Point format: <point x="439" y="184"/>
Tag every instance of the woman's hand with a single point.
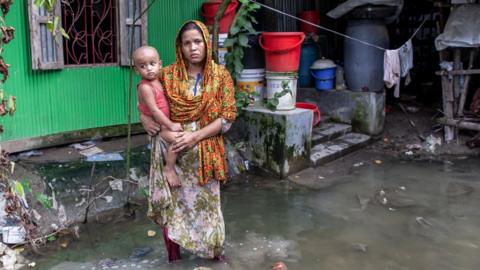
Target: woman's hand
<point x="184" y="141"/>
<point x="149" y="125"/>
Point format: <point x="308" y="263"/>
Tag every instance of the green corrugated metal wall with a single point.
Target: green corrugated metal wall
<point x="50" y="102"/>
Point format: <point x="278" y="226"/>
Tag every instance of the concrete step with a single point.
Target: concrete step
<point x="327" y="131"/>
<point x="336" y="148"/>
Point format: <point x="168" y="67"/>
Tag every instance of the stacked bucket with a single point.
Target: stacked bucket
<point x="282" y="57"/>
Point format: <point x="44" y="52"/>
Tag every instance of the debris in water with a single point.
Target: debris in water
<point x="377" y="161"/>
<point x="151" y="233"/>
<point x="360" y="247"/>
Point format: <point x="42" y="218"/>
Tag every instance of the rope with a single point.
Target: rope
<point x="330" y="30"/>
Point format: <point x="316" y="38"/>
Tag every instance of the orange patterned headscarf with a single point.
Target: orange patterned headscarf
<point x="216" y="100"/>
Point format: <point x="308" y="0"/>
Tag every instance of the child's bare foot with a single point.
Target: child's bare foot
<point x="172" y="177"/>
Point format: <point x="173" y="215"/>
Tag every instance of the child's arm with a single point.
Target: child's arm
<point x="148" y="98"/>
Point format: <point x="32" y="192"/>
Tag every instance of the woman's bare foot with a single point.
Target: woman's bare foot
<point x="279" y="266"/>
<point x="172" y="177"/>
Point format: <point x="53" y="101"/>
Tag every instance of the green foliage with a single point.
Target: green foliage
<point x="272" y="103"/>
<point x="52" y="23"/>
<point x="51" y="238"/>
<point x="236" y="43"/>
<point x="44" y="200"/>
<point x="238" y="36"/>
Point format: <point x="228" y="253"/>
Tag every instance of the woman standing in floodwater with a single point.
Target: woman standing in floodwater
<point x="201" y="97"/>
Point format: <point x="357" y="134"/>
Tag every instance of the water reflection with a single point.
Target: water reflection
<point x="397" y="215"/>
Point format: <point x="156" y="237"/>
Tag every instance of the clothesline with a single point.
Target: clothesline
<point x="333" y="31"/>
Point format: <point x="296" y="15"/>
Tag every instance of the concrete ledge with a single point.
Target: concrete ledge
<point x="68" y="137"/>
<point x="365" y="111"/>
<point x="280" y="141"/>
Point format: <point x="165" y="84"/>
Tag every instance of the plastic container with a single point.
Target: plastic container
<point x="252" y="81"/>
<point x="324" y="70"/>
<point x="253" y="56"/>
<point x="308" y="55"/>
<point x="312" y="16"/>
<point x="313" y="108"/>
<point x="209" y="9"/>
<point x="282" y="50"/>
<point x="274" y="85"/>
<point x="13" y="235"/>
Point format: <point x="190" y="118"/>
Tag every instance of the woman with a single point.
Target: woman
<point x="201" y="97"/>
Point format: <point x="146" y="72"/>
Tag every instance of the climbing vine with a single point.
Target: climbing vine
<point x="236" y="43"/>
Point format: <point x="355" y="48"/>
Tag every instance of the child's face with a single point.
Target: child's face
<point x="148" y="64"/>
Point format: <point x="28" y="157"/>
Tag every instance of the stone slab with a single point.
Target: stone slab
<point x="365" y="111"/>
<point x="280" y="141"/>
<point x="331" y="150"/>
<point x="328" y="131"/>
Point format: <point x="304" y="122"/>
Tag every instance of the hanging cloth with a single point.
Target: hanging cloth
<point x="391" y="70"/>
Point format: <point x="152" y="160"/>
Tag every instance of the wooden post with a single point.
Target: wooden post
<point x="447" y="96"/>
<point x="218" y="16"/>
<point x="457" y="65"/>
<point x="464" y="89"/>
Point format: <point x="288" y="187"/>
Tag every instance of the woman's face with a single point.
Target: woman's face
<point x="193" y="46"/>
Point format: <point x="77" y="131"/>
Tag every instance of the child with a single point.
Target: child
<point x="153" y="102"/>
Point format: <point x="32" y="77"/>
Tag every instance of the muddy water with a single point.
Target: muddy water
<point x="397" y="215"/>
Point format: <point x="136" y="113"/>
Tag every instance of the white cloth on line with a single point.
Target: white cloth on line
<point x="406" y="60"/>
<point x="391" y="70"/>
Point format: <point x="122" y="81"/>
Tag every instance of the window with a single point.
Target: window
<point x="99" y="32"/>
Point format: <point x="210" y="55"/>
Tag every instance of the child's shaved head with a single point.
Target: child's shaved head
<point x="145" y="51"/>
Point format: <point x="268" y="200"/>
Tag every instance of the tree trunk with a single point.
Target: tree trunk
<point x="220" y="12"/>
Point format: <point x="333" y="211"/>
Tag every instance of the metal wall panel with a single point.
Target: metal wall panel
<point x="76" y="98"/>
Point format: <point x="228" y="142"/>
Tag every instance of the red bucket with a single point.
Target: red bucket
<point x="209" y="9"/>
<point x="312" y="16"/>
<point x="312" y="107"/>
<point x="282" y="50"/>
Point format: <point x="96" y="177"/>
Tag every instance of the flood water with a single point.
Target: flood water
<point x="396" y="215"/>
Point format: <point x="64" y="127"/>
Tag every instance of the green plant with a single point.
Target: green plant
<point x="272" y="102"/>
<point x="238" y="36"/>
<point x="52" y="22"/>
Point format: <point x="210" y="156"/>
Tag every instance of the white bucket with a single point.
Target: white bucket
<point x="274" y="85"/>
<point x="252" y="81"/>
<point x="13" y="235"/>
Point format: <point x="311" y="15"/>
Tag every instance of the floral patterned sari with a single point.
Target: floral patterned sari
<point x="192" y="212"/>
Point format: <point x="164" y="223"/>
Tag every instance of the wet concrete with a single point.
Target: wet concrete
<point x="390" y="215"/>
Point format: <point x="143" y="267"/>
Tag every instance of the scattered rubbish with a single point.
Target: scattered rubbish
<point x="64" y="244"/>
<point x="391" y="209"/>
<point x="414" y="146"/>
<point x="384" y="201"/>
<point x="32" y="153"/>
<point x="202" y="268"/>
<point x="139" y="253"/>
<point x="21" y="194"/>
<point x="377" y="161"/>
<point x="32" y="264"/>
<point x="83" y="145"/>
<point x="116" y="184"/>
<point x="36" y="215"/>
<point x="279" y="266"/>
<point x="108" y="198"/>
<point x="360" y="247"/>
<point x="62" y="215"/>
<point x="91" y="151"/>
<point x="151" y="233"/>
<point x="247" y="165"/>
<point x="100" y="157"/>
<point x="321" y="177"/>
<point x="422" y="221"/>
<point x="412" y="109"/>
<point x="432" y="142"/>
<point x="409" y="153"/>
<point x="402" y="188"/>
<point x="13" y="234"/>
<point x="363" y="201"/>
<point x="358" y="164"/>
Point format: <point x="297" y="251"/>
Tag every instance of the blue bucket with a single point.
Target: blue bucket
<point x="324" y="78"/>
